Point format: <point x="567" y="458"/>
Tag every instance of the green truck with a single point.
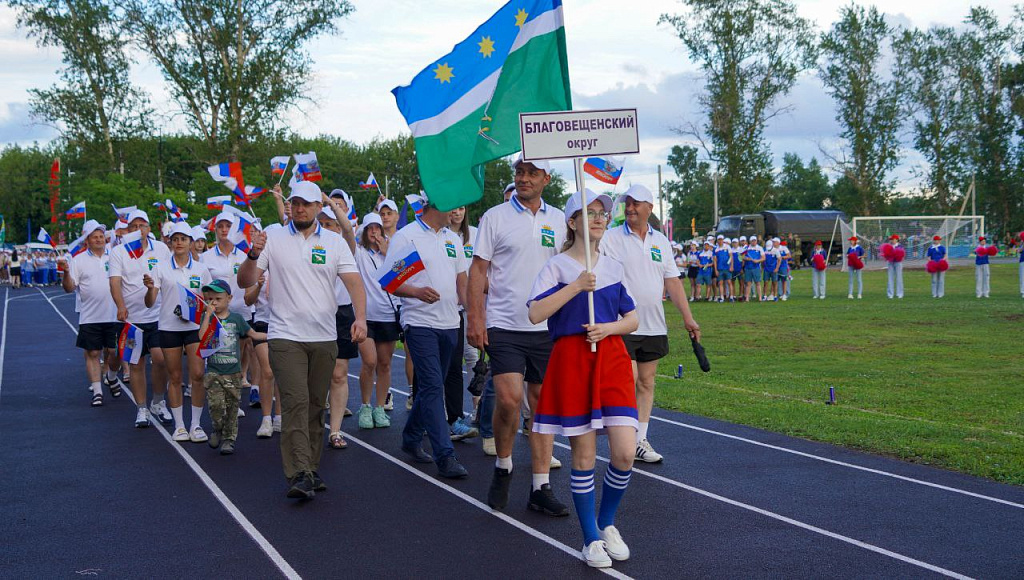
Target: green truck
<point x="808" y="225"/>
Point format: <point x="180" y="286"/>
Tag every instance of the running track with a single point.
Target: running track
<point x="83" y="493"/>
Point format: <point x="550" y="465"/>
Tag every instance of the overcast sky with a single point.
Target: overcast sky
<point x="618" y="57"/>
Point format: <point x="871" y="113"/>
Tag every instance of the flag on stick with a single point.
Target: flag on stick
<point x="210" y="341"/>
<point x="279" y="164"/>
<point x="129" y="344"/>
<point x="307" y="166"/>
<point x="190" y="307"/>
<point x="77" y="211"/>
<point x="132" y="243"/>
<point x="45" y="238"/>
<point x="122" y="212"/>
<point x="217" y="202"/>
<point x="370" y="183"/>
<point x="607" y="170"/>
<point x="400" y="270"/>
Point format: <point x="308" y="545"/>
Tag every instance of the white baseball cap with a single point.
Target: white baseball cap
<point x="743" y="238"/>
<point x="638" y="193"/>
<point x="734" y="241"/>
<point x="372" y="218"/>
<point x="720" y="237"/>
<point x="753" y="237"/>
<point x="179" y="228"/>
<point x="388" y="203"/>
<point x="327" y="211"/>
<point x="137" y="214"/>
<point x="541" y="164"/>
<point x="165" y="230"/>
<point x="224" y="216"/>
<point x="307" y="191"/>
<point x="575" y="202"/>
<point x="776" y="240"/>
<point x="121" y="225"/>
<point x="198" y="233"/>
<point x="91" y="226"/>
<point x="508" y="188"/>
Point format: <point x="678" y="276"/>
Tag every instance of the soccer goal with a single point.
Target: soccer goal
<point x="959" y="234"/>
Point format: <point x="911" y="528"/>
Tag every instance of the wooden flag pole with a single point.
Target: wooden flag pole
<point x="280" y="179"/>
<point x="580" y="185"/>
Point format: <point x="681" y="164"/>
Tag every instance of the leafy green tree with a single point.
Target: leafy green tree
<point x="691" y="196"/>
<point x="801" y="186"/>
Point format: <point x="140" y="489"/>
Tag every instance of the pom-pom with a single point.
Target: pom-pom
<point x="886" y="251"/>
<point x="1022" y="236"/>
<point x="993" y="250"/>
<point x="932" y="266"/>
<point x="854" y="261"/>
<point x="943" y="265"/>
<point x="898" y="254"/>
<point x="819" y="261"/>
<point x="981" y="251"/>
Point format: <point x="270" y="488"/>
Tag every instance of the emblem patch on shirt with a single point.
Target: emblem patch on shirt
<point x="319" y="255"/>
<point x="547" y="237"/>
<point x="655" y="253"/>
<point x="193" y="282"/>
<point x="236" y="269"/>
<point x="152" y="263"/>
<point x="468" y="248"/>
<point x="449" y="249"/>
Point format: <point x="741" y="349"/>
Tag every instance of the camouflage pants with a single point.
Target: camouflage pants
<point x="222" y="393"/>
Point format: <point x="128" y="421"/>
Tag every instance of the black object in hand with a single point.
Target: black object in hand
<point x="698" y="351"/>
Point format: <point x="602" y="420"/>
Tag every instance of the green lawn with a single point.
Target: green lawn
<point x="938" y="382"/>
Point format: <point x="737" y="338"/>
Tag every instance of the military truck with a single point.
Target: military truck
<point x="808" y="225"/>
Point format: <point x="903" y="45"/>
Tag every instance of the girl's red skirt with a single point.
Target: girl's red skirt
<point x="585" y="391"/>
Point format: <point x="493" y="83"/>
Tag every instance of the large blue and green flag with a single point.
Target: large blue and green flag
<point x="463" y="109"/>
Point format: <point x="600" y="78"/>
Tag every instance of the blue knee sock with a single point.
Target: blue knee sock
<point x="583" y="499"/>
<point x="615" y="484"/>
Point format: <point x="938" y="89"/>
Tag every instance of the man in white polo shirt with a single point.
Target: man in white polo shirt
<point x="97" y="315"/>
<point x="303" y="260"/>
<point x="129" y="293"/>
<point x="514" y="241"/>
<point x="430" y="318"/>
<point x="649" y="273"/>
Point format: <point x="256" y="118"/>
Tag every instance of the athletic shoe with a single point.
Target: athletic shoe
<point x="277" y="424"/>
<point x="380" y="418"/>
<point x="301" y="486"/>
<point x="142" y="418"/>
<point x="389" y="402"/>
<point x="187" y="391"/>
<point x="228" y="447"/>
<point x="198" y="435"/>
<point x="348" y="413"/>
<point x="850" y="297"/>
<point x="613" y="544"/>
<point x="497" y="494"/>
<point x="450" y="468"/>
<point x="596" y="556"/>
<point x="488" y="446"/>
<point x="543" y="500"/>
<point x="214" y="439"/>
<point x="180" y="434"/>
<point x="408" y="403"/>
<point x="784" y="298"/>
<point x="366" y="417"/>
<point x="266" y="429"/>
<point x="418" y="454"/>
<point x="646" y="453"/>
<point x="318" y="483"/>
<point x="554" y="463"/>
<point x="241" y="413"/>
<point x="254" y="397"/>
<point x="859" y="297"/>
<point x="460" y="430"/>
<point x="159" y="410"/>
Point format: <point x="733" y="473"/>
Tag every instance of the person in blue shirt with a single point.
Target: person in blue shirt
<point x="752" y="261"/>
<point x="723" y="268"/>
<point x="771" y="269"/>
<point x="937" y="253"/>
<point x="705" y="260"/>
<point x="853" y="270"/>
<point x="981" y="273"/>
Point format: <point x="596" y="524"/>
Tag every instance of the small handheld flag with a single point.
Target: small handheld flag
<point x="279" y="164"/>
<point x="370" y="183"/>
<point x="45" y="238"/>
<point x="307" y="166"/>
<point x="210" y="341"/>
<point x="123" y="212"/>
<point x="217" y="202"/>
<point x="133" y="244"/>
<point x="190" y="307"/>
<point x="77" y="211"/>
<point x="401" y="270"/>
<point x="77" y="247"/>
<point x="607" y="170"/>
<point x="129" y="344"/>
<point x="417" y="203"/>
<point x="174" y="211"/>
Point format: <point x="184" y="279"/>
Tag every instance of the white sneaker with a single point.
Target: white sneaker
<point x="266" y="429"/>
<point x="159" y="410"/>
<point x="555" y="463"/>
<point x="277" y="424"/>
<point x="187" y="391"/>
<point x="595" y="555"/>
<point x="241" y="413"/>
<point x="198" y="435"/>
<point x="488" y="446"/>
<point x="646" y="453"/>
<point x="389" y="402"/>
<point x="613" y="544"/>
<point x="180" y="434"/>
<point x="784" y="297"/>
<point x="850" y="297"/>
<point x="142" y="418"/>
<point x="859" y="297"/>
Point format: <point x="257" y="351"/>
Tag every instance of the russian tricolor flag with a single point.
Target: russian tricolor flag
<point x="190" y="306"/>
<point x="174" y="211"/>
<point x="209" y="341"/>
<point x="133" y="244"/>
<point x="370" y="183"/>
<point x="45" y="238"/>
<point x="307" y="166"/>
<point x="607" y="170"/>
<point x="122" y="212"/>
<point x="279" y="164"/>
<point x="401" y="270"/>
<point x="129" y="344"/>
<point x="217" y="202"/>
<point x="225" y="171"/>
<point x="77" y="211"/>
<point x="78" y="246"/>
<point x="241" y="233"/>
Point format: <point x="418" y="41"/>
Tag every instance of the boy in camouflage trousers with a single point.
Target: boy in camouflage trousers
<point x="224" y="367"/>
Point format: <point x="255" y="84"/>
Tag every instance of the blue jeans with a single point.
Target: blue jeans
<point x="487" y="409"/>
<point x="431" y="351"/>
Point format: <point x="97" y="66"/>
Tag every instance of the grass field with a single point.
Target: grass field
<point x="937" y="382"/>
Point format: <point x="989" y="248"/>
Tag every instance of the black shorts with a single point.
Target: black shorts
<point x="259" y="326"/>
<point x="343" y="319"/>
<point x="525" y="353"/>
<point x="98" y="335"/>
<point x="646" y="348"/>
<point x="383" y="331"/>
<point x="691" y="273"/>
<point x="178" y="338"/>
<point x="150" y="336"/>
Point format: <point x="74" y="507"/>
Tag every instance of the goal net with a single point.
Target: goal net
<point x="959" y="234"/>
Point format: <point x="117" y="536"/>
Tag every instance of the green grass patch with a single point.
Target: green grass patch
<point x="938" y="382"/>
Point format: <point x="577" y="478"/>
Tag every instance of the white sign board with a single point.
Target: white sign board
<point x="572" y="134"/>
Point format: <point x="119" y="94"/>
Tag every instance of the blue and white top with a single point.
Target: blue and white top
<point x="979" y="258"/>
<point x="705" y="258"/>
<point x="754" y="253"/>
<point x="784" y="260"/>
<point x="937" y="253"/>
<point x="723" y="257"/>
<point x="856" y="249"/>
<point x="611" y="299"/>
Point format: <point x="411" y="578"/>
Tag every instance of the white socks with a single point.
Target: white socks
<point x="96" y="388"/>
<point x="197" y="414"/>
<point x="111" y="376"/>
<point x="641" y="434"/>
<point x="504" y="463"/>
<point x="179" y="418"/>
<point x="540" y="479"/>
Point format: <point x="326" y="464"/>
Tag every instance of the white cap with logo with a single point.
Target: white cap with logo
<point x="307" y="191"/>
<point x="91" y="226"/>
<point x="541" y="164"/>
<point x="638" y="193"/>
<point x="180" y="228"/>
<point x="575" y="202"/>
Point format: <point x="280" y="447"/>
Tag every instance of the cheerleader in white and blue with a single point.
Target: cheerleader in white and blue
<point x="587" y="392"/>
<point x="981" y="273"/>
<point x="819" y="270"/>
<point x="937" y="266"/>
<point x="855" y="267"/>
<point x="894" y="255"/>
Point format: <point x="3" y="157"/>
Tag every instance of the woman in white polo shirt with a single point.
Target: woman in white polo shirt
<point x="176" y="333"/>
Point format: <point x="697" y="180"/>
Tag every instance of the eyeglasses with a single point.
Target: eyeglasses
<point x="598" y="216"/>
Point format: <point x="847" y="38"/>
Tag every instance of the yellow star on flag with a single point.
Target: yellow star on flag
<point x="486" y="46"/>
<point x="521" y="17"/>
<point x="443" y="73"/>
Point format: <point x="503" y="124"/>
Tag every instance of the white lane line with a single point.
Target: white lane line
<point x="246" y="525"/>
<point x="781" y="518"/>
<point x="3" y="338"/>
<point x="833" y="461"/>
<point x="482" y="506"/>
<point x="59" y="313"/>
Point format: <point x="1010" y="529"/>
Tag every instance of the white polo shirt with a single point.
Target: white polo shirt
<point x="300" y="284"/>
<point x="380" y="306"/>
<point x="193" y="276"/>
<point x="649" y="263"/>
<point x="443" y="261"/>
<point x="131" y="270"/>
<point x="92" y="287"/>
<point x="225" y="267"/>
<point x="517" y="243"/>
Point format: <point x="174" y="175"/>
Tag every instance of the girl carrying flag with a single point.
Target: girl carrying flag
<point x="586" y="392"/>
